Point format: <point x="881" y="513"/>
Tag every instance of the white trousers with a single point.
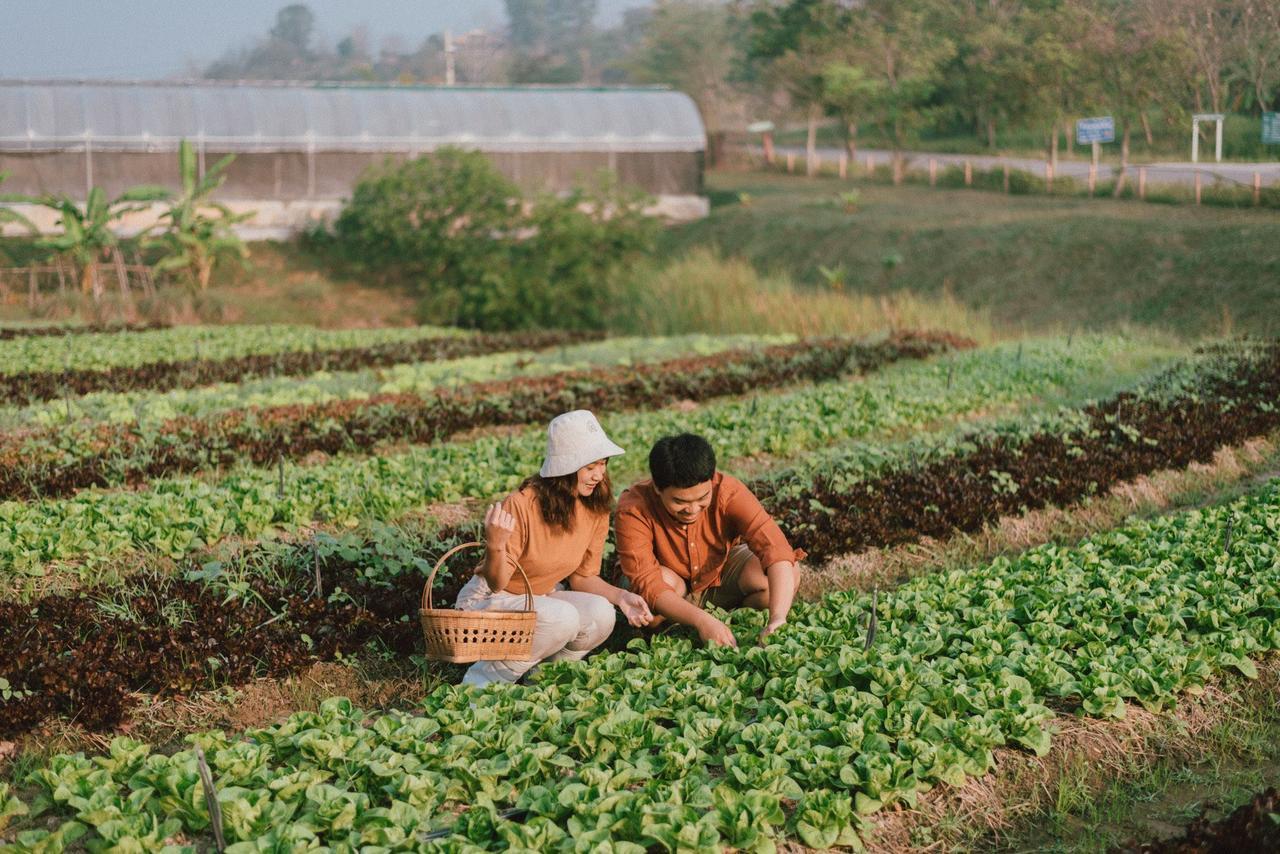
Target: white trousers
<point x="570" y="624"/>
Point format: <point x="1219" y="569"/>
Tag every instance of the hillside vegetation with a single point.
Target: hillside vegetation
<point x="1032" y="263"/>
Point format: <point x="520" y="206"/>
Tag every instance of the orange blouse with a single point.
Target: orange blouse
<point x="550" y="555"/>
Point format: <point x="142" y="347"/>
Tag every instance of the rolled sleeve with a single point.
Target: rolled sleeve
<point x="635" y="555"/>
<point x="744" y="512"/>
<point x="518" y="507"/>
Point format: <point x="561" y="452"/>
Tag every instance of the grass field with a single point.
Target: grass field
<point x="1032" y="263"/>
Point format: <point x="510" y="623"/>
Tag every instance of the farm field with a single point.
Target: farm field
<point x="175" y="537"/>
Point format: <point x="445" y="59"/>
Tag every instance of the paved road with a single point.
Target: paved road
<point x="1157" y="173"/>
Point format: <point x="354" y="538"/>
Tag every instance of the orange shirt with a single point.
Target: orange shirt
<point x="649" y="537"/>
<point x="550" y="555"/>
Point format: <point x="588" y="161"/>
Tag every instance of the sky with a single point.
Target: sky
<point x="142" y="39"/>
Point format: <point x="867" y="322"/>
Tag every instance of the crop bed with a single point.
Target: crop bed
<point x="58" y="461"/>
<point x="1231" y="397"/>
<point x="856" y="705"/>
<point x="8" y="333"/>
<point x="21" y="387"/>
<point x="1251" y="827"/>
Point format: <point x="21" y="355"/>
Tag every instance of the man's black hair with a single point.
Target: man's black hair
<point x="681" y="461"/>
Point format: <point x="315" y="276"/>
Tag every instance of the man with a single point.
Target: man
<point x="692" y="535"/>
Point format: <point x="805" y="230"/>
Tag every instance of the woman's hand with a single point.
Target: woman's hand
<point x="498" y="527"/>
<point x="634" y="608"/>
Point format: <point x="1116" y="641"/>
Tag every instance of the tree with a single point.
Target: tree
<point x="293" y="27"/>
<point x="1131" y="61"/>
<point x="1257" y="61"/>
<point x="8" y="215"/>
<point x="895" y="54"/>
<point x="796" y="41"/>
<point x="199" y="230"/>
<point x="87" y="235"/>
<point x="550" y="40"/>
<point x="687" y="44"/>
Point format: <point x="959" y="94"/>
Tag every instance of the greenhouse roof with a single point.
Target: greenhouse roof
<point x="111" y="116"/>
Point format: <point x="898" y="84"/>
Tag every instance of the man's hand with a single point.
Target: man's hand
<point x="634" y="608"/>
<point x="772" y="627"/>
<point x="713" y="631"/>
<point x="498" y="527"/>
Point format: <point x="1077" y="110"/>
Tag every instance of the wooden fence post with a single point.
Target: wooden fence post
<point x="791" y="161"/>
<point x="844" y="165"/>
<point x="968" y="174"/>
<point x="1142" y="182"/>
<point x="1257" y="188"/>
<point x="32" y="287"/>
<point x="1197" y="188"/>
<point x="1048" y="176"/>
<point x="1006" y="177"/>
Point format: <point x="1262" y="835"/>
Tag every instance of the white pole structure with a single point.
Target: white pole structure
<point x="88" y="165"/>
<point x="1196" y="119"/>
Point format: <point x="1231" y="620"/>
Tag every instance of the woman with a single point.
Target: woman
<point x="554" y="526"/>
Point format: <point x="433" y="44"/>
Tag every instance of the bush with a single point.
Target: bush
<point x="478" y="255"/>
<point x="434" y="218"/>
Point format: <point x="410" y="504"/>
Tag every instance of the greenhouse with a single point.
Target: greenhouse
<point x="303" y="146"/>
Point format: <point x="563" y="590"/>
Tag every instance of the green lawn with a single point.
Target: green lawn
<point x="1036" y="263"/>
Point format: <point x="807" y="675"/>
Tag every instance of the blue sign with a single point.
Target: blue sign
<point x="1271" y="128"/>
<point x="1097" y="129"/>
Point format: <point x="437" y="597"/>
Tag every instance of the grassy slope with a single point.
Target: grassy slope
<point x="1036" y="263"/>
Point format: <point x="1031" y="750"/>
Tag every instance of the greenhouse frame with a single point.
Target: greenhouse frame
<point x="300" y="148"/>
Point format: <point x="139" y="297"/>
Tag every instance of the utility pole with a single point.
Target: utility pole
<point x="449" y="76"/>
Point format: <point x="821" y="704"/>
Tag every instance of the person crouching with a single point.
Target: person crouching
<point x="555" y="527"/>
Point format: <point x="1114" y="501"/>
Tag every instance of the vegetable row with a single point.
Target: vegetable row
<point x="857" y="704"/>
<point x="58" y="461"/>
<point x="25" y="381"/>
<point x="181" y="515"/>
<point x="151" y="408"/>
<point x="58" y="331"/>
<point x="100" y="349"/>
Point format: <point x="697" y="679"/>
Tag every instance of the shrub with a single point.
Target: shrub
<point x="478" y="255"/>
<point x="435" y="218"/>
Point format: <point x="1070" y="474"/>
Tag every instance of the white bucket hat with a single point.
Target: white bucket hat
<point x="575" y="439"/>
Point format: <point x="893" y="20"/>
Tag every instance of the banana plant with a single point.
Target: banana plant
<point x="87" y="236"/>
<point x="8" y="215"/>
<point x="199" y="230"/>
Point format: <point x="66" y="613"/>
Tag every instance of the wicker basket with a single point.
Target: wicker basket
<point x="466" y="636"/>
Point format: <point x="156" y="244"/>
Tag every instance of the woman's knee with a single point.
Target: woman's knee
<point x="598" y="617"/>
<point x="558" y="622"/>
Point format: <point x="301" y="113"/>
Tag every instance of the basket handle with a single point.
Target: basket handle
<point x="426" y="591"/>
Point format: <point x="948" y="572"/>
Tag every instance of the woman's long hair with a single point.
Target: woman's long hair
<point x="558" y="495"/>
